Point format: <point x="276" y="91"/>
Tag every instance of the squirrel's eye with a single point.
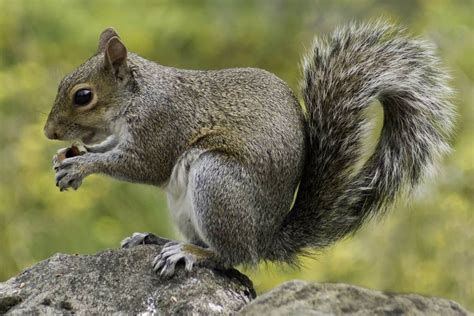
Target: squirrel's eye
<point x="82" y="97"/>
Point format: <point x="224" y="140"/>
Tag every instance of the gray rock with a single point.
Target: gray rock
<point x="121" y="281"/>
<point x="303" y="298"/>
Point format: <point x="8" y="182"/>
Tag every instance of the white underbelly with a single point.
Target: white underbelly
<point x="180" y="198"/>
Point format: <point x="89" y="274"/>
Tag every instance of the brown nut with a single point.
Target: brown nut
<point x="69" y="152"/>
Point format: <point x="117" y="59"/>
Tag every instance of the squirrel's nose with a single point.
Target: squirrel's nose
<point x="51" y="132"/>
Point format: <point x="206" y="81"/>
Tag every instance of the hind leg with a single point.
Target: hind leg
<point x="227" y="208"/>
<point x="142" y="239"/>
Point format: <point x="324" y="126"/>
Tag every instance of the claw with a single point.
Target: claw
<point x="134" y="240"/>
<point x="69" y="174"/>
<point x="188" y="265"/>
<point x="158" y="265"/>
<point x="157" y="258"/>
<point x="168" y="270"/>
<point x="172" y="253"/>
<point x="59" y="175"/>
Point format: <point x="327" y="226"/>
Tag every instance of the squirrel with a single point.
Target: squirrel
<point x="250" y="173"/>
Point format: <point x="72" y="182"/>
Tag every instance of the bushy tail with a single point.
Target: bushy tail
<point x="343" y="75"/>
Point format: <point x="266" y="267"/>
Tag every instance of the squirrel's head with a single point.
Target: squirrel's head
<point x="89" y="99"/>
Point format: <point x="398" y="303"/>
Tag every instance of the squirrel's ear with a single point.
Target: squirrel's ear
<point x="116" y="55"/>
<point x="105" y="36"/>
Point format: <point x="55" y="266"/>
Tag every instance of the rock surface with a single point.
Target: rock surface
<point x="121" y="281"/>
<point x="303" y="298"/>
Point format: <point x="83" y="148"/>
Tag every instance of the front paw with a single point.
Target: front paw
<point x="69" y="173"/>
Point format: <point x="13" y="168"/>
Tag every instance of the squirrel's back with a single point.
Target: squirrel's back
<point x="252" y="106"/>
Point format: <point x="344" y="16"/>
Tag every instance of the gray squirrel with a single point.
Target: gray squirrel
<point x="231" y="147"/>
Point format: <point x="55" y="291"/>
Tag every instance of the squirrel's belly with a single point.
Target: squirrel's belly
<point x="180" y="198"/>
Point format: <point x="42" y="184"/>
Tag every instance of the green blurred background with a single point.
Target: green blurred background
<point x="425" y="247"/>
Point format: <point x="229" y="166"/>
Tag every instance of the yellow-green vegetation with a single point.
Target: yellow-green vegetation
<point x="425" y="246"/>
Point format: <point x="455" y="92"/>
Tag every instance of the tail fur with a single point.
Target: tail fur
<point x="343" y="75"/>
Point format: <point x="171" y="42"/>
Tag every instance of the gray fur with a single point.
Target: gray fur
<point x="238" y="143"/>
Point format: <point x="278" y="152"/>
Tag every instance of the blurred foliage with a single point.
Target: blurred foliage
<point x="424" y="247"/>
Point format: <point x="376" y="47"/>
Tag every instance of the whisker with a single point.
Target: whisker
<point x="41" y="112"/>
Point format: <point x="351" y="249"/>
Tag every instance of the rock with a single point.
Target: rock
<point x="121" y="281"/>
<point x="303" y="298"/>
